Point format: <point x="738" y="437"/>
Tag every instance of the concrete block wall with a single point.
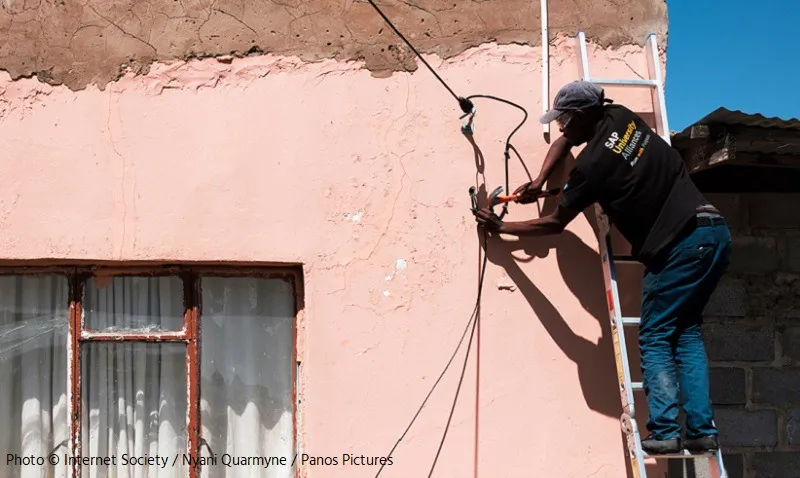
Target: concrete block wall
<point x="752" y="331"/>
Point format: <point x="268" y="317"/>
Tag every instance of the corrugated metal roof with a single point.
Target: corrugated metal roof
<point x="733" y="151"/>
<point x="736" y="117"/>
<point x="754" y="133"/>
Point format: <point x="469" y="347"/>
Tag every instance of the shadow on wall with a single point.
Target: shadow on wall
<point x="581" y="269"/>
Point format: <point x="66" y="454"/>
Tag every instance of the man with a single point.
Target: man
<point x="644" y="188"/>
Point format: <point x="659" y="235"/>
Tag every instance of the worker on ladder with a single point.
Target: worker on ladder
<point x="643" y="186"/>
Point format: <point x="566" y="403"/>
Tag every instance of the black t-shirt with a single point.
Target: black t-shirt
<point x="636" y="177"/>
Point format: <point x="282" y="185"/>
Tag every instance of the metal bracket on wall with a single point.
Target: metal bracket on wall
<point x="545" y="69"/>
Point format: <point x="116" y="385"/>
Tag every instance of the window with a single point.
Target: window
<point x="175" y="363"/>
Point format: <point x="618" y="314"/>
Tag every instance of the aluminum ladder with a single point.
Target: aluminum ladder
<point x="618" y="323"/>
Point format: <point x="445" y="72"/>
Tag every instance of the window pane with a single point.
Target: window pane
<point x="133" y="401"/>
<point x="34" y="325"/>
<point x="247" y="360"/>
<point x="134" y="303"/>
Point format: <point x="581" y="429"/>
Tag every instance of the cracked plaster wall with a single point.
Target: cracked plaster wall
<point x="206" y="160"/>
<point x="78" y="43"/>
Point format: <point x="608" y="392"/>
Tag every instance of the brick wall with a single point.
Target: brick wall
<point x="752" y="333"/>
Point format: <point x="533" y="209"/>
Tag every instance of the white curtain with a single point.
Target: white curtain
<point x="247" y="361"/>
<point x="133" y="395"/>
<point x="33" y="372"/>
<point x="134" y="303"/>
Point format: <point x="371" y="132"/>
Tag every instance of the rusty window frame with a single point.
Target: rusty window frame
<point x="190" y="335"/>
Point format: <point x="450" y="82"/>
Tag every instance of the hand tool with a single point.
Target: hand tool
<point x="496" y="199"/>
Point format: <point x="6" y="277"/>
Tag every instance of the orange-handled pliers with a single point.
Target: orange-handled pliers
<point x="497" y="198"/>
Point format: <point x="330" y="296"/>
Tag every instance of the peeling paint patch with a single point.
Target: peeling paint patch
<point x="505" y="283"/>
<point x="78" y="43"/>
<point x="399" y="265"/>
<point x="21" y="95"/>
<point x="354" y="217"/>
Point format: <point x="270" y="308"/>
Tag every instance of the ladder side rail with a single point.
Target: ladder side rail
<point x="609" y="277"/>
<point x="628" y="419"/>
<point x="723" y="473"/>
<point x="614" y="313"/>
<point x="583" y="64"/>
<point x="545" y="67"/>
<point x="657" y="94"/>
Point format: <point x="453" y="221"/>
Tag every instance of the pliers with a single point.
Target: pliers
<point x="496" y="198"/>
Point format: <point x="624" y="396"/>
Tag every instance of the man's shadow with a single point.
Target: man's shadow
<point x="582" y="272"/>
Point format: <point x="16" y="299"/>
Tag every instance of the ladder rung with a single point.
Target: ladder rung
<point x="637" y="386"/>
<point x="625" y="82"/>
<point x="631" y="320"/>
<point x="683" y="454"/>
<point x="625" y="259"/>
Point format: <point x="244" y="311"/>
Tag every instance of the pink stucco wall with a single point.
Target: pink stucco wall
<point x="321" y="164"/>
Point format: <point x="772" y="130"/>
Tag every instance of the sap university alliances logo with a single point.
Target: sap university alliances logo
<point x="628" y="143"/>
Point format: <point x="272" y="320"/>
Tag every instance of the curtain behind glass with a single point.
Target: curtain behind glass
<point x="33" y="371"/>
<point x="133" y="395"/>
<point x="247" y="360"/>
<point x="134" y="303"/>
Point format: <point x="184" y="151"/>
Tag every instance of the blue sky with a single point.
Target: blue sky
<point x="740" y="55"/>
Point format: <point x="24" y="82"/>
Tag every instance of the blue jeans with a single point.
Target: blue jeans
<point x="676" y="288"/>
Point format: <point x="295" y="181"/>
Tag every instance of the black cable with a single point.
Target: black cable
<point x="528" y="173"/>
<point x="511" y="103"/>
<point x="473" y="320"/>
<point x="482" y="274"/>
<point x="476" y="315"/>
<point x="414" y="50"/>
<point x="432" y="388"/>
<point x="509" y="146"/>
<point x="467" y="107"/>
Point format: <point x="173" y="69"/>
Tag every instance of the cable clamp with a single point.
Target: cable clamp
<point x="468" y="126"/>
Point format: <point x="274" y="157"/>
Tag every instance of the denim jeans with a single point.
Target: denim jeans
<point x="676" y="288"/>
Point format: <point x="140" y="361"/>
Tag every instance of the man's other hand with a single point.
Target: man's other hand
<point x="488" y="220"/>
<point x="528" y="192"/>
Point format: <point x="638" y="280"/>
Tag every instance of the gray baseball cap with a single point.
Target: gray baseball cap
<point x="576" y="95"/>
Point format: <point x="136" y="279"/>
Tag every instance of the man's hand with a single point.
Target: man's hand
<point x="528" y="192"/>
<point x="488" y="220"/>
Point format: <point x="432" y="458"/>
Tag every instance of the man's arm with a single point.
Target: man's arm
<point x="555" y="223"/>
<point x="557" y="152"/>
<point x="576" y="195"/>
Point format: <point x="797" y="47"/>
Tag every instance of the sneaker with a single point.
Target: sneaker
<point x="702" y="444"/>
<point x="652" y="446"/>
